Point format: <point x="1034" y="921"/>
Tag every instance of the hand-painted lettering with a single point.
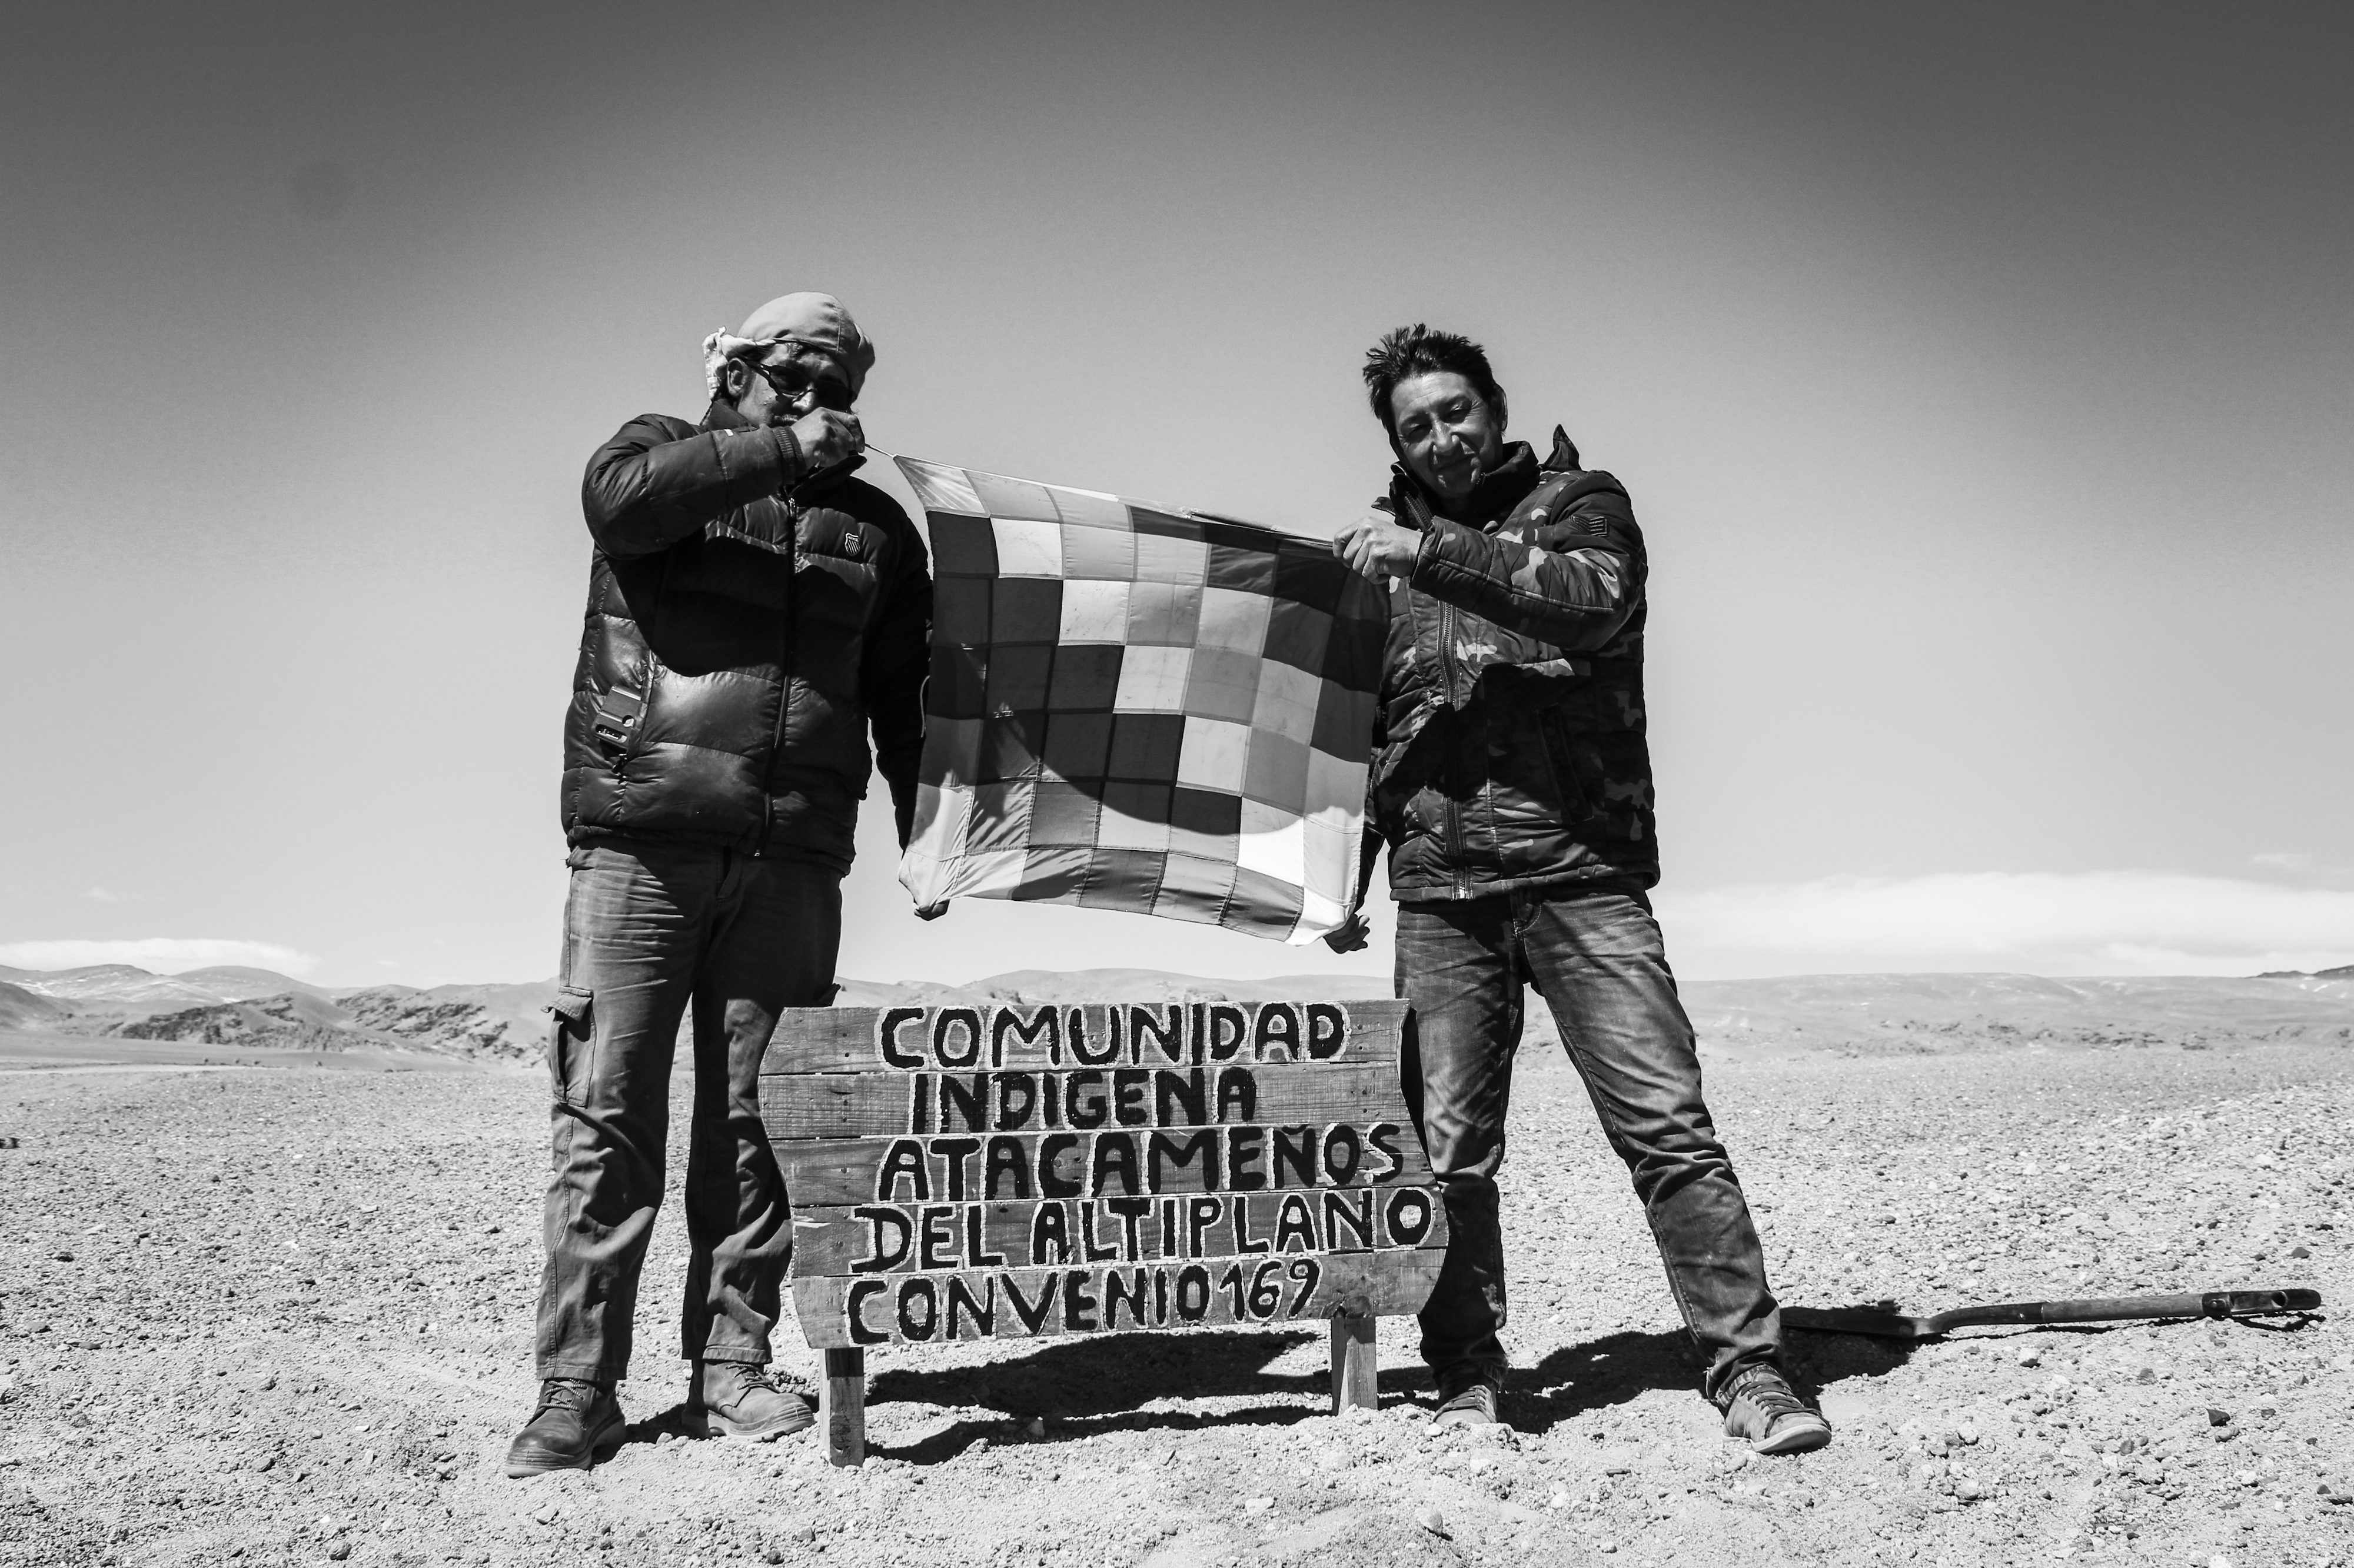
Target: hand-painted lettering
<point x="1278" y="1035"/>
<point x="904" y="1161"/>
<point x="1343" y="1153"/>
<point x="886" y="1034"/>
<point x="1127" y="1087"/>
<point x="919" y="1308"/>
<point x="1052" y="1181"/>
<point x="1238" y="1218"/>
<point x="962" y="1025"/>
<point x="1245" y="1145"/>
<point x="1103" y="1054"/>
<point x="1092" y="1247"/>
<point x="1357" y="1220"/>
<point x="1080" y="1167"/>
<point x="1084" y="1105"/>
<point x="1164" y="1029"/>
<point x="1407" y="1213"/>
<point x="938" y="1237"/>
<point x="853" y="1309"/>
<point x="1327" y="1030"/>
<point x="976" y="1247"/>
<point x="1045" y="1028"/>
<point x="882" y="1254"/>
<point x="1050" y="1235"/>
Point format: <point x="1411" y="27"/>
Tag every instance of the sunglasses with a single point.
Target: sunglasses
<point x="792" y="381"/>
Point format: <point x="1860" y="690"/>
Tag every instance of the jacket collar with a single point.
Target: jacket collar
<point x="1502" y="489"/>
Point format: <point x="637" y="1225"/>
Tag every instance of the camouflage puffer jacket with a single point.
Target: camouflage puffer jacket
<point x="744" y="632"/>
<point x="1508" y="751"/>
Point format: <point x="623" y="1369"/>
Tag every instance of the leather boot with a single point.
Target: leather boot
<point x="739" y="1399"/>
<point x="576" y="1424"/>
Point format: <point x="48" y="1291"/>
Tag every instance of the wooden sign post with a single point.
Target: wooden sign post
<point x="977" y="1172"/>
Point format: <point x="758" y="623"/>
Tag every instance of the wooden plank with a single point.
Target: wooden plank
<point x="1356" y="1364"/>
<point x="1121" y="1163"/>
<point x="893" y="1104"/>
<point x="907" y="1238"/>
<point x="845" y="1406"/>
<point x="945" y="1039"/>
<point x="1024" y="1303"/>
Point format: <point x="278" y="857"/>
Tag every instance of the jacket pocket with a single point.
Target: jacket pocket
<point x="570" y="1042"/>
<point x="1569" y="780"/>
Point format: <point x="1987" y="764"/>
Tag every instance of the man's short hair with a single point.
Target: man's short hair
<point x="1418" y="350"/>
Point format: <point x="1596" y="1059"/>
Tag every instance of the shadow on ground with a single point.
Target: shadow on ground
<point x="1578" y="1380"/>
<point x="1074" y="1389"/>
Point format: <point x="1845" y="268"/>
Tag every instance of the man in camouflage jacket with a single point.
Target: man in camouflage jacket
<point x="1512" y="785"/>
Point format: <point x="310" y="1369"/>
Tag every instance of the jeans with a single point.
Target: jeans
<point x="1595" y="957"/>
<point x="648" y="928"/>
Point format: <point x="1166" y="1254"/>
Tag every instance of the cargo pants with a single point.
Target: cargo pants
<point x="649" y="929"/>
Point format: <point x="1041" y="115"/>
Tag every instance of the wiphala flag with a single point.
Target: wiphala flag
<point x="1141" y="709"/>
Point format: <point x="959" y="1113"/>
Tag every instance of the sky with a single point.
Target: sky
<point x="1983" y="378"/>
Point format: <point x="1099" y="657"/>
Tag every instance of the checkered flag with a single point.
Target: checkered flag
<point x="1140" y="709"/>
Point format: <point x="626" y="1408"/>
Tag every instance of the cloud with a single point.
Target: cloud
<point x="164" y="955"/>
<point x="2310" y="870"/>
<point x="104" y="896"/>
<point x="2098" y="922"/>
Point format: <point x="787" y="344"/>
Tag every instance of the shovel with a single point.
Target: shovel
<point x="1884" y="1322"/>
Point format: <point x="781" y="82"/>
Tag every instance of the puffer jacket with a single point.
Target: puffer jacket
<point x="743" y="634"/>
<point x="1510" y="751"/>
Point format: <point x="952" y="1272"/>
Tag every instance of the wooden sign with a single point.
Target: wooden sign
<point x="974" y="1173"/>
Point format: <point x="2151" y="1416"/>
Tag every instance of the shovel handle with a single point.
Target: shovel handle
<point x="2117" y="1308"/>
<point x="1887" y="1323"/>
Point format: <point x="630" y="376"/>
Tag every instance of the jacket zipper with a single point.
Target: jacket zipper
<point x="1454" y="754"/>
<point x="784" y="676"/>
<point x="1452" y="815"/>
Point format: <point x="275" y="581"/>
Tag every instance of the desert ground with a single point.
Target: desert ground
<point x="277" y="1313"/>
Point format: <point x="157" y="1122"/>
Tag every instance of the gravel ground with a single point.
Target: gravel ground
<point x="276" y="1316"/>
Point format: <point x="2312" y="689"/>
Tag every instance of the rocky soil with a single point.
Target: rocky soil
<point x="278" y="1316"/>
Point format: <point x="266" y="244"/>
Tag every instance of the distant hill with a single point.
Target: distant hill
<point x="1871" y="1014"/>
<point x="124" y="985"/>
<point x="231" y="983"/>
<point x="495" y="1022"/>
<point x="249" y="1009"/>
<point x="22" y="1009"/>
<point x="243" y="1009"/>
<point x="294" y="1021"/>
<point x="240" y="1009"/>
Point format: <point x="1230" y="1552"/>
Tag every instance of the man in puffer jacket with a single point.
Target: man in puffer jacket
<point x="753" y="612"/>
<point x="1512" y="786"/>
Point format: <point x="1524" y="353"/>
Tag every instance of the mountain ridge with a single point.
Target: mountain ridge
<point x="240" y="1009"/>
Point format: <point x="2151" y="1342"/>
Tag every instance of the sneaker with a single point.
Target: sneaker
<point x="1468" y="1394"/>
<point x="1761" y="1409"/>
<point x="577" y="1425"/>
<point x="739" y="1399"/>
